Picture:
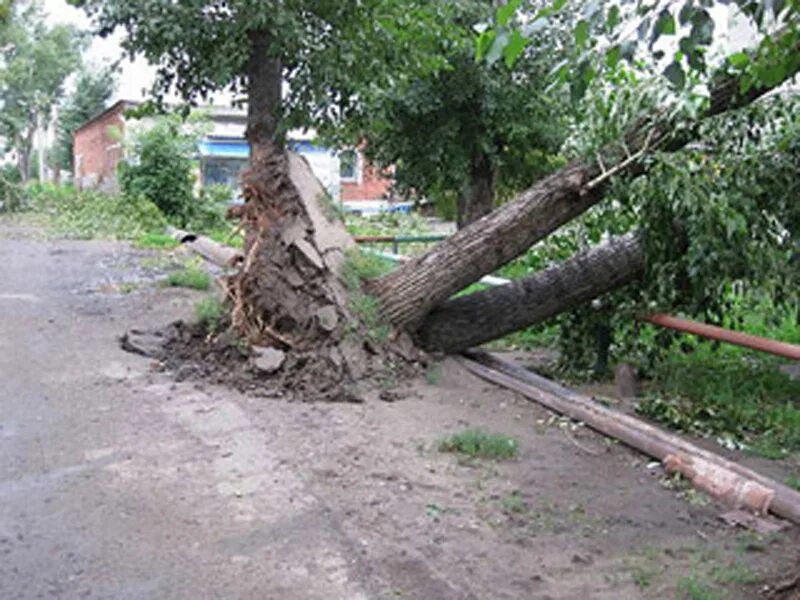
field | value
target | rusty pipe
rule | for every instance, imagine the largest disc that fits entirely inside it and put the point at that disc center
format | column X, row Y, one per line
column 784, row 349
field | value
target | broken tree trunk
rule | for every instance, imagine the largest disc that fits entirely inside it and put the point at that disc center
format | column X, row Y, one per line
column 467, row 321
column 288, row 293
column 410, row 292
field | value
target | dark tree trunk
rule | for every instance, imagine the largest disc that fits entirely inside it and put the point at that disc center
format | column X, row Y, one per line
column 476, row 199
column 487, row 315
column 410, row 292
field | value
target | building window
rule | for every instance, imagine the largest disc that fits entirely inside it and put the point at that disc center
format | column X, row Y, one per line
column 348, row 166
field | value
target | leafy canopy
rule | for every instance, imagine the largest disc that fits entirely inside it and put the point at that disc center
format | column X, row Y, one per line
column 36, row 60
column 432, row 129
column 328, row 49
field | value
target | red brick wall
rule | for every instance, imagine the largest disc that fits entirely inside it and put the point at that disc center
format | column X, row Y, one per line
column 98, row 151
column 372, row 185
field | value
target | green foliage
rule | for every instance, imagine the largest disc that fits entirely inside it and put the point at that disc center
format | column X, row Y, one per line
column 693, row 587
column 36, row 60
column 160, row 166
column 209, row 313
column 480, row 444
column 358, row 267
column 680, row 35
column 12, row 197
column 329, row 49
column 793, row 481
column 92, row 214
column 94, row 87
column 207, row 210
column 191, row 276
column 514, row 503
column 744, row 401
column 467, row 121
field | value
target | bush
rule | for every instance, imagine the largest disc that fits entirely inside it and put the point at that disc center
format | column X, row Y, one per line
column 161, row 167
column 12, row 197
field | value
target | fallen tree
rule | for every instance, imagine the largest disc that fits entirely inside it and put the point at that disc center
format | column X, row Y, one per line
column 471, row 320
column 409, row 293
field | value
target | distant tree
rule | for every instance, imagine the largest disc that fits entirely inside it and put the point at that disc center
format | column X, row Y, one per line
column 36, row 61
column 94, row 87
column 469, row 129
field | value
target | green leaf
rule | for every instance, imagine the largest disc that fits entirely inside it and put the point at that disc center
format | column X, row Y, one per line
column 514, row 48
column 582, row 32
column 505, row 12
column 612, row 20
column 739, row 60
column 613, row 55
column 483, row 43
column 665, row 24
column 675, row 75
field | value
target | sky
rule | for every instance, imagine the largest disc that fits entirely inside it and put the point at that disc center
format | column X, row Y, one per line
column 135, row 76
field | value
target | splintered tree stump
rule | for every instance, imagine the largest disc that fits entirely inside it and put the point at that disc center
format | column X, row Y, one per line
column 288, row 294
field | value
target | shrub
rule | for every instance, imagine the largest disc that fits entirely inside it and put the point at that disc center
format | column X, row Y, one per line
column 11, row 194
column 161, row 167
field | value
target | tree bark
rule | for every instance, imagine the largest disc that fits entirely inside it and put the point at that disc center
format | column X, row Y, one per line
column 410, row 292
column 487, row 315
column 477, row 198
column 288, row 293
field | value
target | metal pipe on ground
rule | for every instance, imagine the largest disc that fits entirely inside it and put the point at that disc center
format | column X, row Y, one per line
column 219, row 254
column 713, row 332
column 726, row 480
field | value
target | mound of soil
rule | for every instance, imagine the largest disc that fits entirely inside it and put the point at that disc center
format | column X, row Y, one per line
column 190, row 352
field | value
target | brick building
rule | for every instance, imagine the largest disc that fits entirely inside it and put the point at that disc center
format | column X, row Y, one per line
column 99, row 148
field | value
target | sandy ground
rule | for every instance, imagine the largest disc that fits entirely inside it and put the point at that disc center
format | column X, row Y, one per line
column 118, row 482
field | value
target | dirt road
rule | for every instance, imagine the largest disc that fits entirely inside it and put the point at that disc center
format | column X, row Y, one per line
column 118, row 482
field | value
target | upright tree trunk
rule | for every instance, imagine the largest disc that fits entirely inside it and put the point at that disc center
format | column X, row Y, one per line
column 487, row 315
column 288, row 293
column 476, row 199
column 410, row 292
column 23, row 150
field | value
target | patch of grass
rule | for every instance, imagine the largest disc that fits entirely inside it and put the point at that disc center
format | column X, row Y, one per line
column 209, row 313
column 157, row 241
column 514, row 503
column 748, row 401
column 227, row 236
column 736, row 573
column 190, row 277
column 480, row 444
column 793, row 481
column 88, row 214
column 693, row 587
column 359, row 266
column 645, row 567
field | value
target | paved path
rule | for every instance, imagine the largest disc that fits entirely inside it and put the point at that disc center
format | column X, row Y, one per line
column 115, row 483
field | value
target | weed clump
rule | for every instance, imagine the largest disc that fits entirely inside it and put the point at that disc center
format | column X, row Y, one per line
column 209, row 313
column 190, row 277
column 480, row 444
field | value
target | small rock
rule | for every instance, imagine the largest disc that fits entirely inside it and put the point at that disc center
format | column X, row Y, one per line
column 328, row 319
column 268, row 359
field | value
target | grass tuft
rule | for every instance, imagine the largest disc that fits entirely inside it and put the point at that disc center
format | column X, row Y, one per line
column 190, row 277
column 477, row 443
column 209, row 313
column 157, row 241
